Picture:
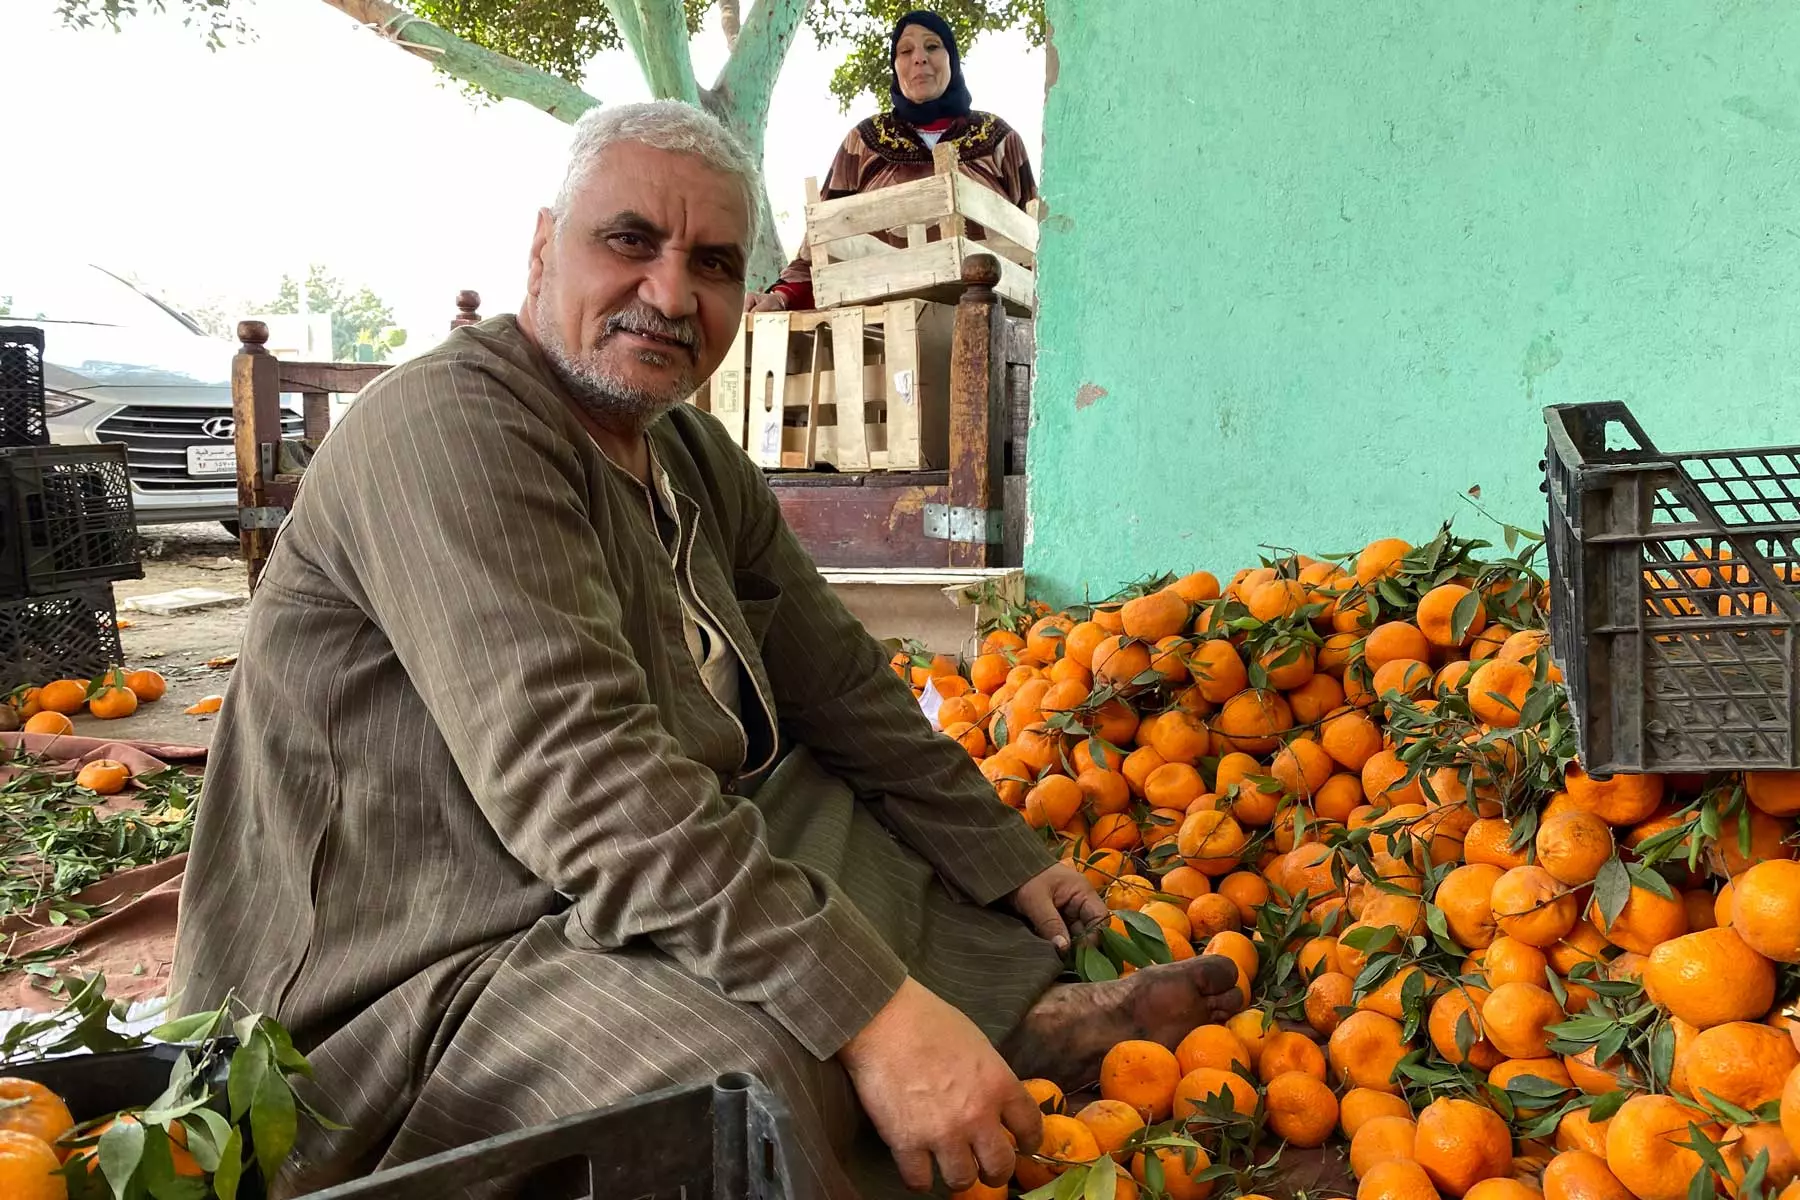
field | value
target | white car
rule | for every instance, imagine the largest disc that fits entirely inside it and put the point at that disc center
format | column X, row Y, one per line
column 124, row 366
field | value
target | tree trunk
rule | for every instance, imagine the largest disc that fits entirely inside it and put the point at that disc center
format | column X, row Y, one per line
column 656, row 31
column 486, row 69
column 728, row 21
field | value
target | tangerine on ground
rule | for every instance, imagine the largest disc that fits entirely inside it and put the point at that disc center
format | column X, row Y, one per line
column 1325, row 995
column 1700, row 910
column 1489, row 840
column 1582, row 1175
column 1211, row 842
column 1115, row 831
column 1112, row 1122
column 1497, row 692
column 1765, row 909
column 1048, row 1096
column 1574, row 846
column 1212, row 1046
column 1341, row 796
column 1315, row 699
column 1300, row 1107
column 1197, row 588
column 1139, row 765
column 1364, row 1050
column 1173, row 785
column 1502, row 1189
column 1396, row 1179
column 1197, row 1086
column 1119, row 662
column 1246, row 889
column 1253, row 1028
column 103, row 776
column 1515, row 1016
column 1285, row 1052
column 1551, row 1070
column 29, row 1169
column 1765, row 1137
column 1143, row 1075
column 1302, row 767
column 1251, row 720
column 1436, row 615
column 1359, row 1106
column 29, row 1107
column 1381, row 559
column 1186, row 883
column 1577, row 1131
column 1460, row 1143
column 1385, row 784
column 1457, row 1014
column 48, row 722
column 149, row 686
column 1467, row 897
column 1620, row 800
column 1156, row 616
column 1179, row 736
column 1104, row 792
column 1598, row 1080
column 1172, row 918
column 1276, row 598
column 1082, row 640
column 1217, row 671
column 1382, row 1139
column 1646, row 922
column 1774, row 792
column 1044, row 640
column 112, row 703
column 1053, row 803
column 1213, row 914
column 1644, row 1151
column 65, row 696
column 1066, row 1141
column 1531, row 906
column 1508, row 960
column 1392, row 641
column 981, row 1191
column 1178, row 1166
column 1130, row 893
column 1710, row 977
column 1740, row 1062
column 1584, row 943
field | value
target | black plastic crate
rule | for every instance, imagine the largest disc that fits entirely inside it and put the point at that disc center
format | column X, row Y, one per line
column 74, row 634
column 650, row 1148
column 98, row 1085
column 22, row 386
column 66, row 518
column 1675, row 610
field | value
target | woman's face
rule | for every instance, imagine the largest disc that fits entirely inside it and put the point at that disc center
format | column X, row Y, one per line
column 922, row 64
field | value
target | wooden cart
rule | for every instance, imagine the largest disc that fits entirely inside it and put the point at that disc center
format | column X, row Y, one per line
column 959, row 517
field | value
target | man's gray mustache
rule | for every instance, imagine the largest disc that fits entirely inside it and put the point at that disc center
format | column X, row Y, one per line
column 653, row 325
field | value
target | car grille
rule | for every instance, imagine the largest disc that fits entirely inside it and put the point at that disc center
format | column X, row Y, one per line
column 156, row 441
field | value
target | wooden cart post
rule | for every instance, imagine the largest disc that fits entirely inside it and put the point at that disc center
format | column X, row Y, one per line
column 978, row 419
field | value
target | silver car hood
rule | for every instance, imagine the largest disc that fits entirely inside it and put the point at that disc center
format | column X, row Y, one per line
column 93, row 360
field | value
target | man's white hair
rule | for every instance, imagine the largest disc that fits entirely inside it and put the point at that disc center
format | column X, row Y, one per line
column 662, row 125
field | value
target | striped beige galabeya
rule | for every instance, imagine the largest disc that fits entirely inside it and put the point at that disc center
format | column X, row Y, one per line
column 477, row 832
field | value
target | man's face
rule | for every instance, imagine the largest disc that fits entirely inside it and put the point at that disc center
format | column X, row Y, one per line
column 636, row 294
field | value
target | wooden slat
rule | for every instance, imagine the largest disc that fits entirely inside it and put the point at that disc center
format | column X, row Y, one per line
column 923, row 201
column 864, row 526
column 766, row 392
column 847, row 353
column 900, row 334
column 729, row 385
column 932, row 272
column 256, row 414
column 331, row 377
column 995, row 214
column 1021, row 341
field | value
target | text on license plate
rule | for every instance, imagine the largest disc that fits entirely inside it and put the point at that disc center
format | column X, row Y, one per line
column 212, row 461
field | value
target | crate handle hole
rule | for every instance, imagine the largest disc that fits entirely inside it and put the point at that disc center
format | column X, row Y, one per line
column 733, row 1081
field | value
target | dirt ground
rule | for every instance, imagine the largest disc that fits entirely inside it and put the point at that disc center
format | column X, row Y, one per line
column 179, row 556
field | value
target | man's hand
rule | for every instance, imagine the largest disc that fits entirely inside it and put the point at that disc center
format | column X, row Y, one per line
column 764, row 301
column 937, row 1090
column 1057, row 900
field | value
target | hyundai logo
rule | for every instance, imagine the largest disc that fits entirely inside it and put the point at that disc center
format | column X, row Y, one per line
column 218, row 427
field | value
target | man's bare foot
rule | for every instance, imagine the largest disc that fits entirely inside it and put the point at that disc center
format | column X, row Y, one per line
column 1070, row 1029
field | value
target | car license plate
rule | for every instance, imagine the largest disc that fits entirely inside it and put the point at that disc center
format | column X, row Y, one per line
column 212, row 462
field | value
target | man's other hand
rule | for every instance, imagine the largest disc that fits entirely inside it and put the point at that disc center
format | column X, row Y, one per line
column 1058, row 900
column 937, row 1090
column 764, row 301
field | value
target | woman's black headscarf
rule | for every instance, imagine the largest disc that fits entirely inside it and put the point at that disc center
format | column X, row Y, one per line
column 955, row 100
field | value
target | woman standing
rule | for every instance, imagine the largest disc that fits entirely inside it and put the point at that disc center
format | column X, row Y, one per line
column 931, row 105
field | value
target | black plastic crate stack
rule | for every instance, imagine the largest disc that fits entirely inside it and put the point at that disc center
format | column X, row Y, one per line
column 67, row 530
column 22, row 386
column 1675, row 604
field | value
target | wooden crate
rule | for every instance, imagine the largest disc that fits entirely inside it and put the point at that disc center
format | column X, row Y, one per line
column 941, row 608
column 791, row 377
column 910, row 240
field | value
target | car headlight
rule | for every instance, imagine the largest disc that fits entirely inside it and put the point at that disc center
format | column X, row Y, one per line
column 58, row 404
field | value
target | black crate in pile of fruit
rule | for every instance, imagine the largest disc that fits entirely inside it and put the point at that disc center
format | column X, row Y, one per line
column 22, row 386
column 728, row 1140
column 73, row 634
column 98, row 1085
column 66, row 517
column 1675, row 611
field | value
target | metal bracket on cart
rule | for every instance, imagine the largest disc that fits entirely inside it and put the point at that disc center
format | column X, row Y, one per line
column 960, row 523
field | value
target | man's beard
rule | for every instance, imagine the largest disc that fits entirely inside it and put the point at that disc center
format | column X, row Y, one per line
column 613, row 401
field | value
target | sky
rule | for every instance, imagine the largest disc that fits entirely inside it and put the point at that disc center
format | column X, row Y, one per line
column 208, row 174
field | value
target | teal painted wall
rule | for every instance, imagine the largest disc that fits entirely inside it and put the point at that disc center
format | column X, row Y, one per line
column 1311, row 269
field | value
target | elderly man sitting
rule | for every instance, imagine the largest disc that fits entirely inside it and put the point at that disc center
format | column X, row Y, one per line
column 552, row 772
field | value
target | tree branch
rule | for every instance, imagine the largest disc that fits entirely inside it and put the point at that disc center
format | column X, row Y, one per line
column 492, row 72
column 657, row 32
column 743, row 88
column 730, row 22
